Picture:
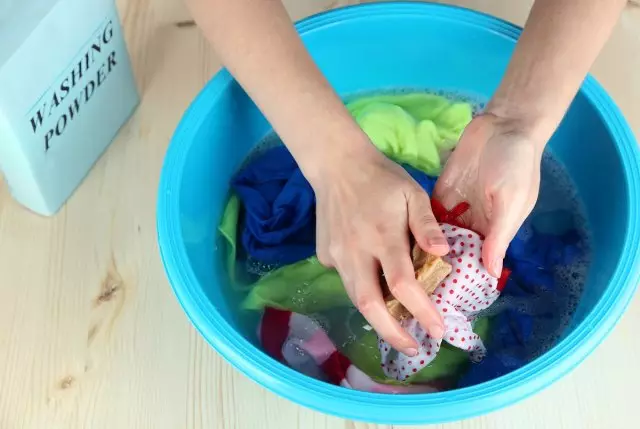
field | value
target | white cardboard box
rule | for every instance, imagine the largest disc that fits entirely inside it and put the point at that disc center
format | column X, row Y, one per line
column 66, row 88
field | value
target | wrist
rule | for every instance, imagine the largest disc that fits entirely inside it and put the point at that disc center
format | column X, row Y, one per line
column 328, row 155
column 534, row 124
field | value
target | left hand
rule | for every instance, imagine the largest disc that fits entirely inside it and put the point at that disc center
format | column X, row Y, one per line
column 496, row 169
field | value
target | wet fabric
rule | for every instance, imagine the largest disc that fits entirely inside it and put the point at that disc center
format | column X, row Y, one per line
column 270, row 218
column 361, row 346
column 228, row 229
column 305, row 287
column 530, row 290
column 415, row 129
column 302, row 344
column 278, row 216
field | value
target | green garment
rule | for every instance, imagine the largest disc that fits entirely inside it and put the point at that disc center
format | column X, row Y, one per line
column 309, row 288
column 450, row 363
column 239, row 278
column 228, row 229
column 305, row 287
column 414, row 128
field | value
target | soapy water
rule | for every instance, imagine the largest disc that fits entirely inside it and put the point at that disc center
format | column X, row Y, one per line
column 558, row 208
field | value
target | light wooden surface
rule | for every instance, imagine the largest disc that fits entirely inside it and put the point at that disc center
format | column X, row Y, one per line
column 91, row 335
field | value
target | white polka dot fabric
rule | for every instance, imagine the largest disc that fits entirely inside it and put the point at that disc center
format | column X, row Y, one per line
column 461, row 296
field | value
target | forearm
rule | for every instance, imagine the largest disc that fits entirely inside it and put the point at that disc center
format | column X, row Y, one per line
column 257, row 42
column 560, row 42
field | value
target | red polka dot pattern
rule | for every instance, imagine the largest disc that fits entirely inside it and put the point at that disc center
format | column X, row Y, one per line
column 463, row 288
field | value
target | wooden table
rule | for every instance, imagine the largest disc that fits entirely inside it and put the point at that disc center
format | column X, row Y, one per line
column 91, row 335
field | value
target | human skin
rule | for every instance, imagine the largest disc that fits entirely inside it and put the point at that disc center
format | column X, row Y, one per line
column 365, row 214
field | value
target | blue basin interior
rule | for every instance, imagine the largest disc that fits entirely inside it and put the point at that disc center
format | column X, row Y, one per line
column 381, row 47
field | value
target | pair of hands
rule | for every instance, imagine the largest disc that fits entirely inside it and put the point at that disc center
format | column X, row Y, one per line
column 365, row 215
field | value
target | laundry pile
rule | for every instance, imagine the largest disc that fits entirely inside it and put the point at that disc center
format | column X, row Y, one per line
column 307, row 319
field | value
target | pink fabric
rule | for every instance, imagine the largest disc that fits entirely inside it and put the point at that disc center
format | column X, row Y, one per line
column 461, row 296
column 320, row 346
column 281, row 328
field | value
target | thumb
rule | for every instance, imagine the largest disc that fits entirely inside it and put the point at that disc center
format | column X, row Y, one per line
column 503, row 225
column 423, row 224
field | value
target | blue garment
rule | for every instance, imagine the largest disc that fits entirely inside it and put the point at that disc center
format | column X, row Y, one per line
column 530, row 306
column 426, row 182
column 278, row 222
column 278, row 218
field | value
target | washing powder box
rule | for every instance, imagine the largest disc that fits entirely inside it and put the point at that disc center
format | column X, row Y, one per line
column 66, row 88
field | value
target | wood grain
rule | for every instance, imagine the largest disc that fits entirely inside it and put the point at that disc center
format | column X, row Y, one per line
column 92, row 336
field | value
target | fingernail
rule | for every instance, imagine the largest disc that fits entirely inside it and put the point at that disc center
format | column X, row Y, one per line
column 437, row 241
column 496, row 266
column 436, row 331
column 411, row 352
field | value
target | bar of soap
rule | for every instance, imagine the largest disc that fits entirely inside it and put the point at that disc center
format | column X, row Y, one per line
column 430, row 271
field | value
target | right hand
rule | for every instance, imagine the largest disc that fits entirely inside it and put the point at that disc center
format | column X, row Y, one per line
column 366, row 209
column 496, row 169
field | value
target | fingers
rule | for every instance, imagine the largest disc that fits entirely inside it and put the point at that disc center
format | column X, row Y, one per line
column 361, row 282
column 400, row 276
column 506, row 219
column 423, row 224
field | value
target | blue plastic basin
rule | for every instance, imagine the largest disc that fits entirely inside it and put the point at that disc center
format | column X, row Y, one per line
column 383, row 46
